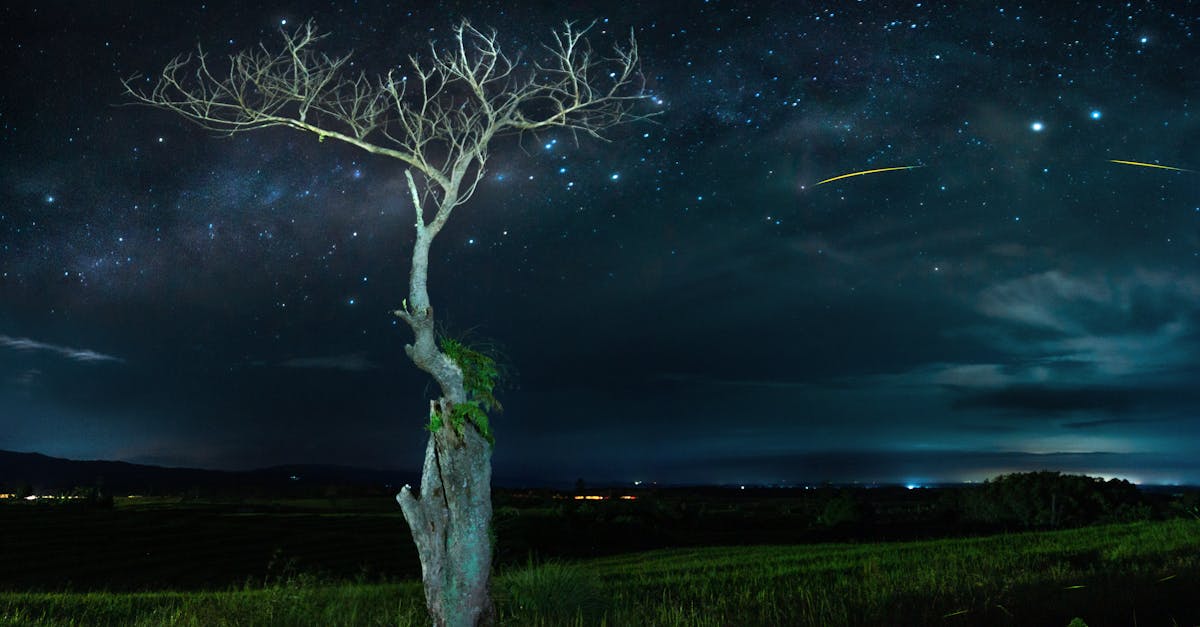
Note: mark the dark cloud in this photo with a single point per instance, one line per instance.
(1036, 400)
(1103, 422)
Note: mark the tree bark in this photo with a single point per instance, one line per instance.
(451, 524)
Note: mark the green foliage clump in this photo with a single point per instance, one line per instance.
(480, 374)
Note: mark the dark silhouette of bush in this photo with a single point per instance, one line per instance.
(1052, 499)
(843, 510)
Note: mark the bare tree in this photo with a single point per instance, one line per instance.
(438, 115)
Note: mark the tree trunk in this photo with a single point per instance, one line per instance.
(451, 524)
(451, 517)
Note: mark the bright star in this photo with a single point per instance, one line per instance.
(1037, 127)
(1095, 114)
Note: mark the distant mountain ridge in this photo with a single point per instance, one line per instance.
(46, 474)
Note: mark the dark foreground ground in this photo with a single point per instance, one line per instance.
(1142, 573)
(178, 543)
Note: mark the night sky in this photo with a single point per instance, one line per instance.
(681, 304)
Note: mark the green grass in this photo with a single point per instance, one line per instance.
(294, 603)
(1141, 573)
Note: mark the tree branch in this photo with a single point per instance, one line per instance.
(438, 115)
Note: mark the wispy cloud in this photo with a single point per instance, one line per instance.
(1130, 325)
(74, 354)
(351, 362)
(1093, 349)
(1115, 344)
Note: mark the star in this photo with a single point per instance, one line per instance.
(1037, 127)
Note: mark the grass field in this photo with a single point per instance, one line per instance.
(1133, 574)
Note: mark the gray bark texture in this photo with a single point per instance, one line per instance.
(450, 522)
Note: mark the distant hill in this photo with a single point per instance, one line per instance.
(49, 474)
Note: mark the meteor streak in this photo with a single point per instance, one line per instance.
(1149, 165)
(846, 176)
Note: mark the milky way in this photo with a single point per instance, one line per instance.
(681, 303)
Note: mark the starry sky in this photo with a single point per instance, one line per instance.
(680, 304)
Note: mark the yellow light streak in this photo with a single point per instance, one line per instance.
(846, 176)
(1149, 165)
